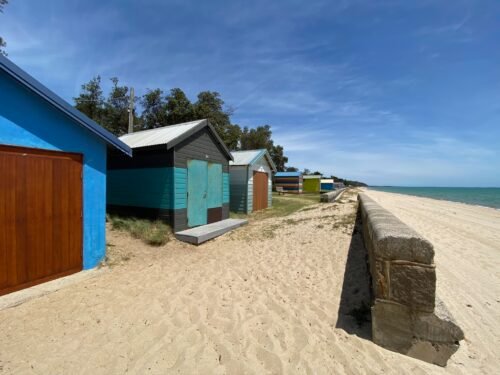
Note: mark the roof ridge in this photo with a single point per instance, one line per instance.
(162, 127)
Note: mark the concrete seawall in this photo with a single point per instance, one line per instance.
(407, 317)
(331, 196)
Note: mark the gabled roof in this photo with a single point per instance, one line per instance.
(249, 157)
(171, 135)
(288, 174)
(33, 85)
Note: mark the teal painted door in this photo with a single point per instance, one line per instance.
(197, 192)
(214, 198)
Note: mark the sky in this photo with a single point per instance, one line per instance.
(385, 92)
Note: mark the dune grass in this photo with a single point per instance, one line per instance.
(154, 233)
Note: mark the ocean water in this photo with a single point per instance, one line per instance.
(489, 197)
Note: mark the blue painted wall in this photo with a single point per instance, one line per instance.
(327, 186)
(29, 121)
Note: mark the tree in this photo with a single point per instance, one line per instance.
(211, 106)
(259, 137)
(306, 172)
(154, 114)
(3, 43)
(91, 100)
(232, 136)
(291, 169)
(116, 109)
(318, 173)
(179, 108)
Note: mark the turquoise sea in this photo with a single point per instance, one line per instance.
(489, 197)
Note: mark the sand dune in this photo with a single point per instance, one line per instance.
(271, 298)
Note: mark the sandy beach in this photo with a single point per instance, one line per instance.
(274, 297)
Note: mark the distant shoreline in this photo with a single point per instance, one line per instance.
(481, 197)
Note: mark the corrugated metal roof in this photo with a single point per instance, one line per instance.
(246, 157)
(53, 99)
(312, 176)
(288, 174)
(249, 157)
(159, 136)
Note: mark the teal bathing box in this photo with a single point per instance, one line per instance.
(179, 174)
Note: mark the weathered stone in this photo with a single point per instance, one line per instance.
(439, 326)
(380, 281)
(392, 326)
(435, 353)
(431, 337)
(406, 316)
(330, 196)
(392, 238)
(413, 286)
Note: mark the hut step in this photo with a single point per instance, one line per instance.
(204, 233)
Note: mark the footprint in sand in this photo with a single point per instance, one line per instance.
(169, 358)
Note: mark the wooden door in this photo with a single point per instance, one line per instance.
(40, 216)
(260, 190)
(197, 192)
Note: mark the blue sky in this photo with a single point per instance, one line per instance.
(386, 92)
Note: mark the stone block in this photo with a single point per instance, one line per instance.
(413, 286)
(392, 239)
(380, 281)
(392, 326)
(431, 337)
(435, 353)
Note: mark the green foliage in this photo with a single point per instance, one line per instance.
(277, 154)
(179, 108)
(154, 233)
(291, 169)
(116, 112)
(91, 100)
(261, 137)
(112, 112)
(211, 106)
(256, 138)
(284, 205)
(154, 114)
(349, 182)
(158, 110)
(231, 136)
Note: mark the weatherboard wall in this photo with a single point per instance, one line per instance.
(241, 177)
(311, 185)
(153, 183)
(27, 120)
(239, 188)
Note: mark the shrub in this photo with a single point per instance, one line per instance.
(154, 233)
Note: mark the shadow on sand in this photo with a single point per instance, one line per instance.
(355, 300)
